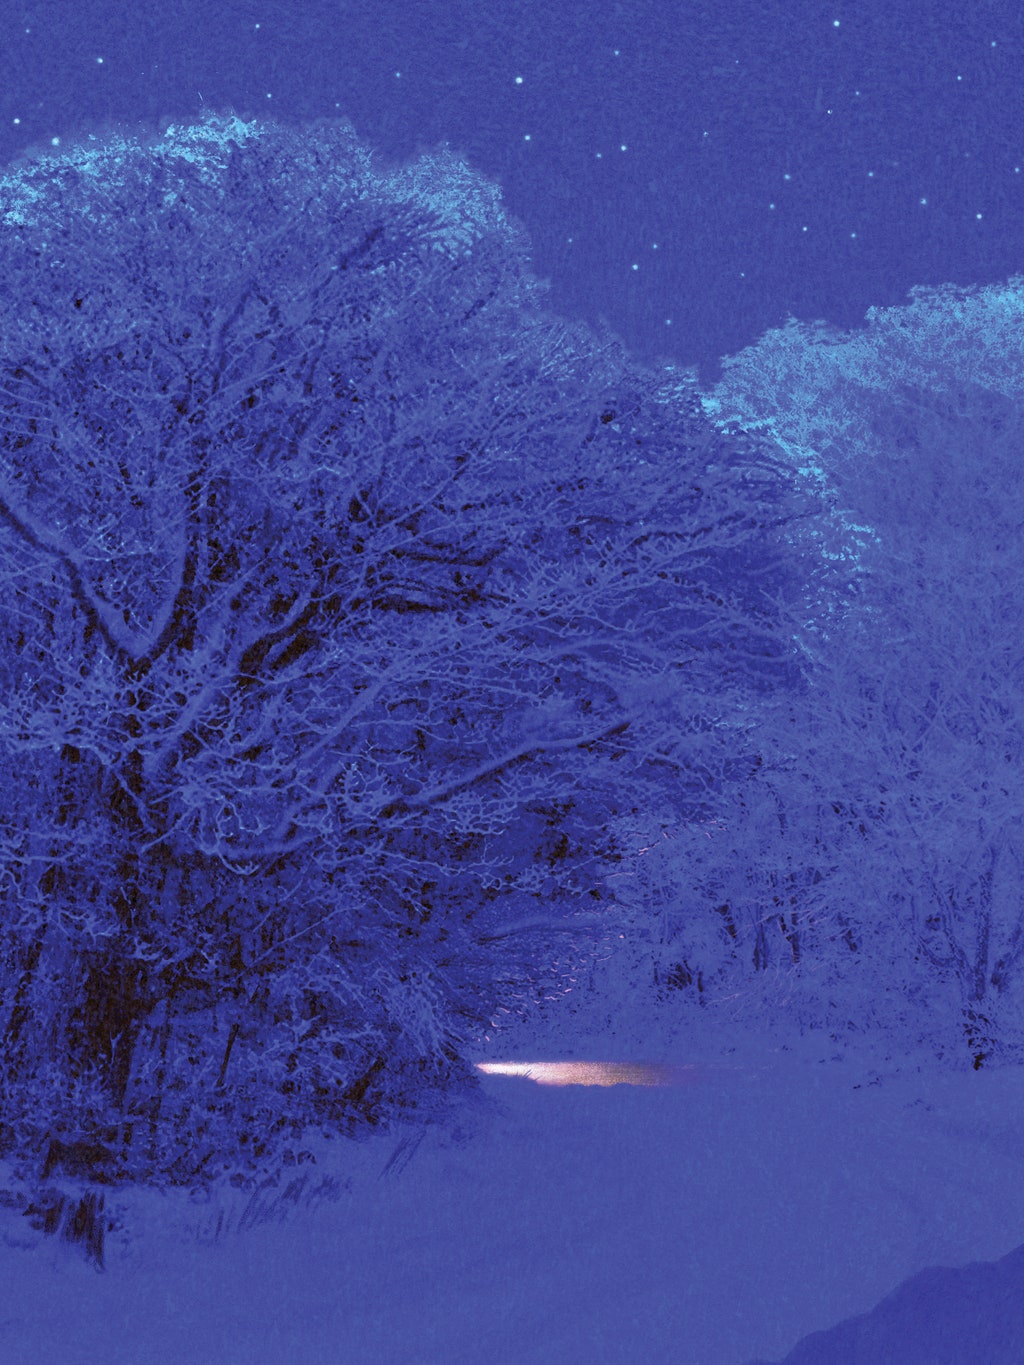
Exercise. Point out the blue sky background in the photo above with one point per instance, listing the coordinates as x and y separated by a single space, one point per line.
691 172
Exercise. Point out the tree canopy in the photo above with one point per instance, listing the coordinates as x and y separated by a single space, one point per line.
358 616
868 877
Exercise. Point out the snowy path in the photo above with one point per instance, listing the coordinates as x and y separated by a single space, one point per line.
702 1224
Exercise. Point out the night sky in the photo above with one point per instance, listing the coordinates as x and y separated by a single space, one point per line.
691 172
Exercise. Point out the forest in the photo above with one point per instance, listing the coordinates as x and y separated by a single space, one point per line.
384 656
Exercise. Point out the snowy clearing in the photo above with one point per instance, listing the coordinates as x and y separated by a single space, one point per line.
713 1222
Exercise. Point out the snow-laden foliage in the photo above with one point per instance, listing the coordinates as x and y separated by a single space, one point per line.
871 873
356 614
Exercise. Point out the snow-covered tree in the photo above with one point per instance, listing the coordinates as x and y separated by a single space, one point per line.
871 871
357 612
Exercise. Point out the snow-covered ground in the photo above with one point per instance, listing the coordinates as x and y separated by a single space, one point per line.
769 1194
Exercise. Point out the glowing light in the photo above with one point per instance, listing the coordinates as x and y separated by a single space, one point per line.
593 1073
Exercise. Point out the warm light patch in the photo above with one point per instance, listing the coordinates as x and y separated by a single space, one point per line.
593 1073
